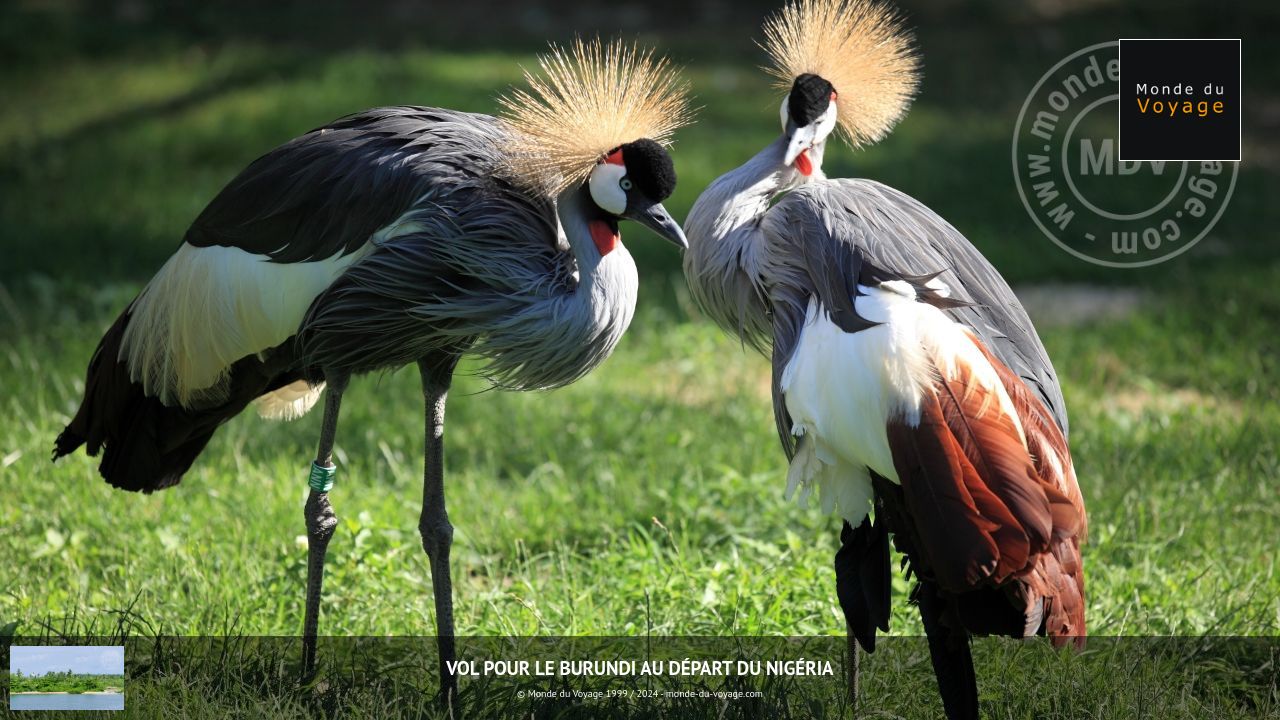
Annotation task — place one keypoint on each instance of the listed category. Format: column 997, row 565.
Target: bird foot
column 321, row 523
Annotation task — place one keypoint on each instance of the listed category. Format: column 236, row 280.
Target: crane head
column 809, row 114
column 860, row 48
column 631, row 181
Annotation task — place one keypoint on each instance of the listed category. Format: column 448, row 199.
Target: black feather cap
column 809, row 98
column 649, row 166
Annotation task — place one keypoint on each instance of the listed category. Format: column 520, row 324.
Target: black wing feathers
column 146, row 445
column 862, row 580
column 328, row 191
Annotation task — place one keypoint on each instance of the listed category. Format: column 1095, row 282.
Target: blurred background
column 122, row 119
column 648, row 497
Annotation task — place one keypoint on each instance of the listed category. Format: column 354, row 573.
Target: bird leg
column 320, row 518
column 433, row 524
column 854, row 660
column 846, row 586
column 949, row 650
column 862, row 586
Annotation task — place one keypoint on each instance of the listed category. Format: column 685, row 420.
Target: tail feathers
column 106, row 386
column 1063, row 582
column 68, row 441
column 862, row 580
column 145, row 444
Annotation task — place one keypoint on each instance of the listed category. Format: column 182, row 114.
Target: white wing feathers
column 211, row 306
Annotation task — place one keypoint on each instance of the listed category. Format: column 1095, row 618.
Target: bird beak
column 798, row 144
column 656, row 218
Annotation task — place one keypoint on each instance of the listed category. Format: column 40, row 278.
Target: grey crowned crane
column 395, row 235
column 910, row 389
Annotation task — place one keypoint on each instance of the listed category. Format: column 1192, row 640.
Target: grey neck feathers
column 561, row 337
column 726, row 245
column 608, row 285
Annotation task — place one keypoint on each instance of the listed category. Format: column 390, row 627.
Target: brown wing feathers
column 938, row 484
column 1059, row 573
column 1045, row 441
column 990, row 509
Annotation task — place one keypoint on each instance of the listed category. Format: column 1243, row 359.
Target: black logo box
column 1159, row 76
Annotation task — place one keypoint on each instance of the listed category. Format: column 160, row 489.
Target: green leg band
column 321, row 479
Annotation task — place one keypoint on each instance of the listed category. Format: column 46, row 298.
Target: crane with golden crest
column 392, row 236
column 911, row 392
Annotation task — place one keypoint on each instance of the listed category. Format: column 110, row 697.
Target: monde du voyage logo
column 1125, row 154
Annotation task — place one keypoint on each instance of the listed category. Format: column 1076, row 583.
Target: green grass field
column 645, row 499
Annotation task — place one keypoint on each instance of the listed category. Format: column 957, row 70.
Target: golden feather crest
column 860, row 47
column 589, row 99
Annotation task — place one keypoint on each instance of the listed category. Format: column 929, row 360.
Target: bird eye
column 625, row 184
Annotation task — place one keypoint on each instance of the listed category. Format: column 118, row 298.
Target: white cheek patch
column 826, row 123
column 605, row 188
column 822, row 127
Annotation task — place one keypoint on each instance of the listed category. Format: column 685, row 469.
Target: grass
column 645, row 499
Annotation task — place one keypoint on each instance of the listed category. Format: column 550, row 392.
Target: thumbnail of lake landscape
column 72, row 677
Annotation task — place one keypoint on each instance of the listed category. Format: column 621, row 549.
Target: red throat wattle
column 605, row 236
column 804, row 164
